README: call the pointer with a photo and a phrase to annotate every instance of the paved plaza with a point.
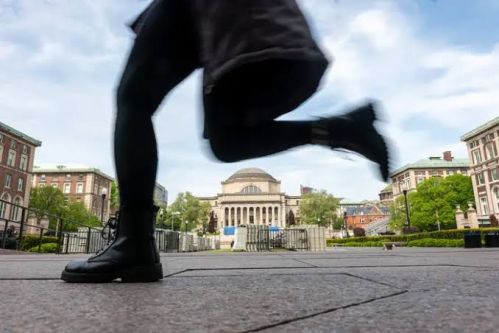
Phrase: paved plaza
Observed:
(341, 290)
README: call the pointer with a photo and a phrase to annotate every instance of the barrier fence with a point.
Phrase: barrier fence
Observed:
(22, 228)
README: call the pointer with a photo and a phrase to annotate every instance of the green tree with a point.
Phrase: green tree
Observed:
(434, 203)
(75, 215)
(185, 208)
(398, 218)
(319, 207)
(115, 196)
(47, 201)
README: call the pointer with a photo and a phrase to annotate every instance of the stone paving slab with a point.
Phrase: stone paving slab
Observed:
(409, 312)
(405, 290)
(196, 304)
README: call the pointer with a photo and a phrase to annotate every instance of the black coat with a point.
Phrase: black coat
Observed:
(271, 36)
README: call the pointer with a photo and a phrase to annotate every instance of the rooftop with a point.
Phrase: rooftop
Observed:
(250, 173)
(17, 133)
(67, 168)
(480, 129)
(434, 163)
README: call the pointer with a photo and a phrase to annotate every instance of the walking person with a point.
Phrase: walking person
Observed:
(259, 61)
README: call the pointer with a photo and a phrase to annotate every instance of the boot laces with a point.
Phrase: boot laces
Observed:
(109, 232)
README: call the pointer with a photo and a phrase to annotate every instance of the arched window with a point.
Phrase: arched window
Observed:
(17, 210)
(251, 189)
(4, 206)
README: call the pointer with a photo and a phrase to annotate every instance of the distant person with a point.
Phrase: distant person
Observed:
(259, 62)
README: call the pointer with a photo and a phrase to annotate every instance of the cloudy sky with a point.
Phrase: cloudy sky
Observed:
(434, 64)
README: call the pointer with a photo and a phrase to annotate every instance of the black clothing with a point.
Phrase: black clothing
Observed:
(259, 59)
(262, 48)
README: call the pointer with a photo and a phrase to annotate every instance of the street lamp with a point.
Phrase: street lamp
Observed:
(174, 213)
(407, 218)
(103, 196)
(186, 222)
(345, 223)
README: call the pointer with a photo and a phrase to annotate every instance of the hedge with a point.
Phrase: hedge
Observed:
(443, 234)
(364, 244)
(31, 241)
(432, 242)
(45, 248)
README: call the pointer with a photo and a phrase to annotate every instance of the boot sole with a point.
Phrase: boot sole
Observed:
(129, 275)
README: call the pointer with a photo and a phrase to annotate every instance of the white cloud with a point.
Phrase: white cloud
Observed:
(58, 82)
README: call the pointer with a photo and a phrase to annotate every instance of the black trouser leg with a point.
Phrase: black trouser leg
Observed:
(232, 144)
(162, 57)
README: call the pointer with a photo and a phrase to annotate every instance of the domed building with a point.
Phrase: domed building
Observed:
(252, 196)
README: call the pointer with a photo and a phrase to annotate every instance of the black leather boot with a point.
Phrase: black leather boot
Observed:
(131, 255)
(355, 132)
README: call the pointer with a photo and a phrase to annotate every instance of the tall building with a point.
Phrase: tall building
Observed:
(17, 152)
(252, 196)
(386, 195)
(160, 195)
(78, 182)
(409, 176)
(482, 144)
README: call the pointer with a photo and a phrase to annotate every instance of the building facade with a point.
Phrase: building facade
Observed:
(160, 195)
(17, 152)
(363, 215)
(79, 183)
(252, 196)
(386, 195)
(482, 144)
(409, 176)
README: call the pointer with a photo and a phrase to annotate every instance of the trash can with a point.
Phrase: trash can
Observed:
(472, 240)
(492, 239)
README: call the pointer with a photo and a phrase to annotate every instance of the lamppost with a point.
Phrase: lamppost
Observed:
(345, 223)
(174, 213)
(103, 194)
(407, 218)
(186, 222)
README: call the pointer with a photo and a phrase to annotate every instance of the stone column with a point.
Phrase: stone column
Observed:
(461, 222)
(472, 217)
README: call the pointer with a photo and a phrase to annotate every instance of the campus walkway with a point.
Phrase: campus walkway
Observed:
(341, 290)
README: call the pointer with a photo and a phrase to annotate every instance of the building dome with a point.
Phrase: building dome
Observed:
(250, 174)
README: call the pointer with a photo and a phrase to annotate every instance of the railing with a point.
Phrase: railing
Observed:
(18, 222)
(265, 238)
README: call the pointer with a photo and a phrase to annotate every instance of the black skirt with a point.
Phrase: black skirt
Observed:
(259, 57)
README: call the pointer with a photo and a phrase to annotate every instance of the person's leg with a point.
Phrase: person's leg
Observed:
(352, 131)
(162, 56)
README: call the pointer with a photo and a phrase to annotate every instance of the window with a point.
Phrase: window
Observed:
(477, 158)
(20, 184)
(80, 177)
(251, 189)
(464, 171)
(55, 185)
(12, 158)
(42, 178)
(489, 150)
(25, 150)
(419, 180)
(67, 187)
(495, 174)
(79, 188)
(1, 138)
(13, 144)
(55, 179)
(68, 176)
(23, 165)
(496, 197)
(480, 179)
(450, 172)
(484, 205)
(474, 144)
(8, 180)
(1, 153)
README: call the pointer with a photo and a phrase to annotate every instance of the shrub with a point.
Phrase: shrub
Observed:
(30, 241)
(432, 242)
(45, 248)
(359, 232)
(410, 230)
(364, 244)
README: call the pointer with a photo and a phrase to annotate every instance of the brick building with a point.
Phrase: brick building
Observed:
(360, 215)
(410, 175)
(17, 152)
(482, 144)
(79, 183)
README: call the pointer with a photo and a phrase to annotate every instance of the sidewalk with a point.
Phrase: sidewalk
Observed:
(341, 290)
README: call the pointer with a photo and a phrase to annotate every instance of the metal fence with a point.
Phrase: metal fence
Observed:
(264, 238)
(19, 226)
